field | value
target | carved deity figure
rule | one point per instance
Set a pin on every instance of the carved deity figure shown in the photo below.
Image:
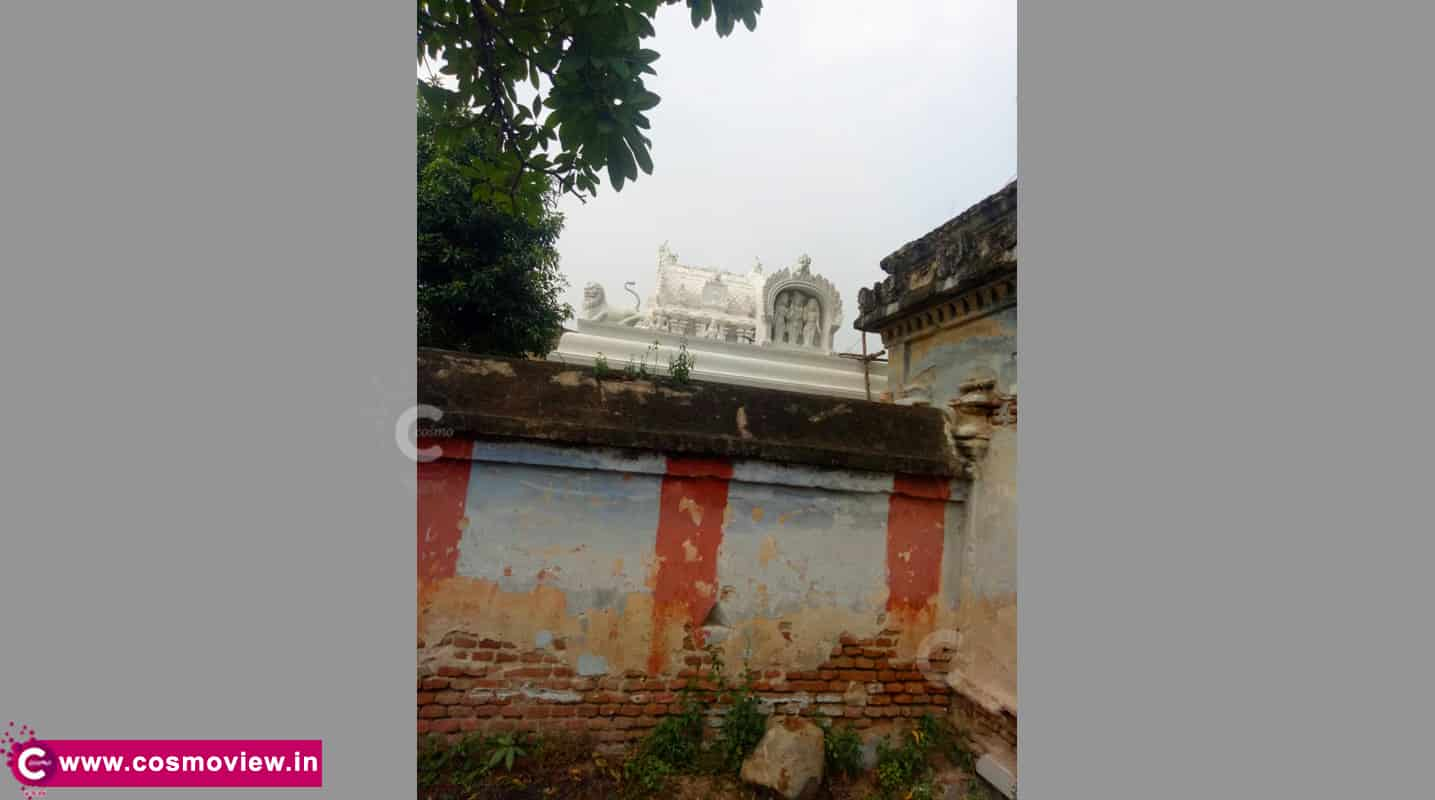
(794, 322)
(810, 323)
(780, 312)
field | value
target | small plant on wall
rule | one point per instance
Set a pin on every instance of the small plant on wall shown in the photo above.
(842, 750)
(638, 370)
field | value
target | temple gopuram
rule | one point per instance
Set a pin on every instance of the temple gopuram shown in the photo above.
(750, 328)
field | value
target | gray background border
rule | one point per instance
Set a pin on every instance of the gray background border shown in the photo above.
(1223, 548)
(206, 318)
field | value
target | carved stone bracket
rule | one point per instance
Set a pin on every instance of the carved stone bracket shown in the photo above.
(971, 419)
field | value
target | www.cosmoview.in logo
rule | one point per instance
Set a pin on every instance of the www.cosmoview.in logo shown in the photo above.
(159, 763)
(35, 763)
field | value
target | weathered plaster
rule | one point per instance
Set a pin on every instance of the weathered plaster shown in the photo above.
(828, 550)
(944, 358)
(554, 544)
(987, 609)
(522, 531)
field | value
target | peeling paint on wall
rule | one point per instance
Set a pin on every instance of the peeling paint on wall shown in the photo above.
(916, 528)
(951, 353)
(686, 549)
(443, 486)
(625, 569)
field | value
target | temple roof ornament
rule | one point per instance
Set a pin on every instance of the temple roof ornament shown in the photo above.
(743, 327)
(596, 308)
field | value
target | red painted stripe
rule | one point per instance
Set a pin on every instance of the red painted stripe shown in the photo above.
(699, 468)
(691, 507)
(443, 493)
(916, 530)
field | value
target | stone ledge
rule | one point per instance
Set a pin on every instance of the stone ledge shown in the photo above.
(500, 398)
(975, 248)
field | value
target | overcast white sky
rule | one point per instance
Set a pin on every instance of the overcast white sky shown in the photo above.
(839, 128)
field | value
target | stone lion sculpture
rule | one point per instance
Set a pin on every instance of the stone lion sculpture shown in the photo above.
(595, 308)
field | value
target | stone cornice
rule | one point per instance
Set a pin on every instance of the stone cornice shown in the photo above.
(948, 309)
(972, 250)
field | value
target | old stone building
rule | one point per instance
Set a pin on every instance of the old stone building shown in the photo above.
(947, 309)
(947, 315)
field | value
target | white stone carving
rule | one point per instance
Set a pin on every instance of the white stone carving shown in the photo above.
(746, 328)
(595, 308)
(704, 303)
(804, 308)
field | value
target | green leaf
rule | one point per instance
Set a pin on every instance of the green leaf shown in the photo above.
(640, 149)
(435, 96)
(537, 105)
(618, 151)
(643, 100)
(615, 175)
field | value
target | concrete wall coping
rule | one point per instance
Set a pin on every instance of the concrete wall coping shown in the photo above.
(491, 398)
(603, 459)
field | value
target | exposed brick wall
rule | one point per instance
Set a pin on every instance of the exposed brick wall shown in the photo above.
(489, 686)
(994, 730)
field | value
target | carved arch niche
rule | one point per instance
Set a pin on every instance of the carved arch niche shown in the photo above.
(801, 310)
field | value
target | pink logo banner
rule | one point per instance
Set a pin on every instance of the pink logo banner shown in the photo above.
(164, 763)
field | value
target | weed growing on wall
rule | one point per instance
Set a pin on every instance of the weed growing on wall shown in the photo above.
(512, 765)
(676, 744)
(842, 750)
(505, 749)
(600, 366)
(903, 767)
(904, 770)
(467, 762)
(434, 759)
(742, 727)
(638, 370)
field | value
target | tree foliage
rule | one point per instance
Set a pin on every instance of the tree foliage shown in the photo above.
(488, 281)
(592, 103)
